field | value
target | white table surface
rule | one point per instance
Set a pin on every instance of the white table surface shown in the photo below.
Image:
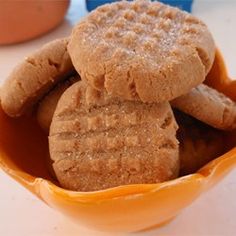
(22, 214)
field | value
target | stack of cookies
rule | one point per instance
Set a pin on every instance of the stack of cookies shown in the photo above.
(123, 99)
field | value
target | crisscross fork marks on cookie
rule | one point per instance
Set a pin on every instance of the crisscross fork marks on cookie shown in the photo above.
(110, 142)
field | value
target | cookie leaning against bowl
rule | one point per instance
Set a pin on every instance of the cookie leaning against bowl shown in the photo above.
(209, 106)
(199, 143)
(98, 142)
(35, 76)
(48, 104)
(142, 49)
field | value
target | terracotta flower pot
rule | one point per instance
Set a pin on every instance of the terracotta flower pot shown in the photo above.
(27, 19)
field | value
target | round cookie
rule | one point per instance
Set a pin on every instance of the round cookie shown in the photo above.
(198, 143)
(142, 49)
(48, 104)
(35, 76)
(98, 142)
(209, 106)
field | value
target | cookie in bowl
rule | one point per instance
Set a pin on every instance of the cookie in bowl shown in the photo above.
(209, 106)
(47, 105)
(199, 143)
(142, 50)
(97, 141)
(36, 75)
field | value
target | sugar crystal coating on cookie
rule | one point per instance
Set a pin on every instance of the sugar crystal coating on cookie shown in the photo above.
(97, 141)
(142, 49)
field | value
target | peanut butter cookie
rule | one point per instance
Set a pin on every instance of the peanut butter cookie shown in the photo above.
(97, 141)
(209, 106)
(142, 49)
(199, 143)
(48, 104)
(35, 76)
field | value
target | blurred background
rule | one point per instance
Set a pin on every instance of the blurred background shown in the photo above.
(20, 212)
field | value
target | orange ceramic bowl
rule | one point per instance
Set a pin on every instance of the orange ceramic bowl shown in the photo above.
(23, 154)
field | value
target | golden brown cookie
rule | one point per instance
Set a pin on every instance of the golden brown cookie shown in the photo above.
(209, 106)
(48, 104)
(198, 143)
(142, 49)
(35, 76)
(98, 142)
